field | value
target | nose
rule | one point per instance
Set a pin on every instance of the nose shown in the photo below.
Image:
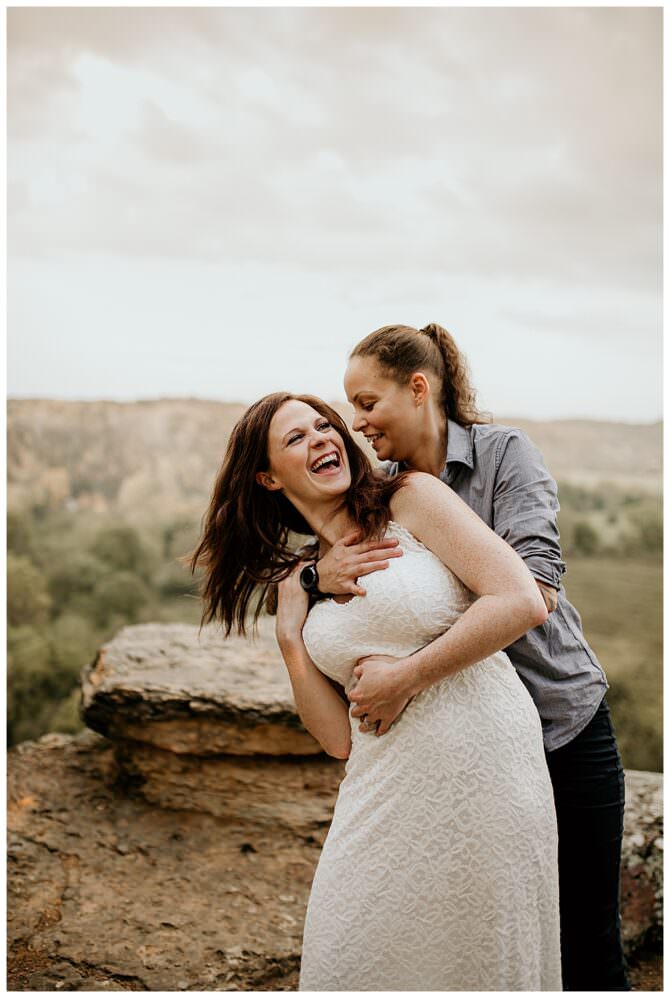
(359, 422)
(320, 438)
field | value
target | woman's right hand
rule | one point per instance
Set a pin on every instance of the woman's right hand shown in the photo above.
(350, 558)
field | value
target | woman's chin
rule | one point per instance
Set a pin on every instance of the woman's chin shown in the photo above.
(335, 485)
(384, 451)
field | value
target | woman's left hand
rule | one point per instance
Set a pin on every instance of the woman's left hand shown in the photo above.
(292, 606)
(383, 690)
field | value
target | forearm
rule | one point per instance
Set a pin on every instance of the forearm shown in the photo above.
(488, 625)
(321, 710)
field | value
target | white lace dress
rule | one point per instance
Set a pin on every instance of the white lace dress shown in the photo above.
(439, 872)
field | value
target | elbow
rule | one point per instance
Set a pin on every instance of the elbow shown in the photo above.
(541, 617)
(534, 610)
(341, 751)
(528, 610)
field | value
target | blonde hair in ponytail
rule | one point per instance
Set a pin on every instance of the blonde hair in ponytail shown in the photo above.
(403, 350)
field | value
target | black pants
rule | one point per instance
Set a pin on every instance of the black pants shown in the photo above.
(589, 793)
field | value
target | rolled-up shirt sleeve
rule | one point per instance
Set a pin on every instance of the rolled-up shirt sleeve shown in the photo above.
(525, 505)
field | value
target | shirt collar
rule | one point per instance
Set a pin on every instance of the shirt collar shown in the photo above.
(459, 447)
(459, 444)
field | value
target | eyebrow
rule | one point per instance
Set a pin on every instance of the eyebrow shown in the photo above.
(366, 391)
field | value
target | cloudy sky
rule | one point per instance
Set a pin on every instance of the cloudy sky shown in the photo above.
(219, 202)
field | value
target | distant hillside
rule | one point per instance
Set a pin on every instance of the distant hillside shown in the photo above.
(588, 451)
(155, 457)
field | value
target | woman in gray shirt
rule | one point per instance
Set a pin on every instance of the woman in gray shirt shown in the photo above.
(413, 402)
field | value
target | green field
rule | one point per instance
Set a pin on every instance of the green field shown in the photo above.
(620, 602)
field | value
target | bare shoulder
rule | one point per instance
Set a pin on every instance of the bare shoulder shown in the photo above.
(421, 496)
(446, 525)
(417, 486)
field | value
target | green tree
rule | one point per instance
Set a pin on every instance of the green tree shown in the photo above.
(75, 576)
(28, 600)
(175, 580)
(73, 645)
(19, 533)
(650, 534)
(120, 548)
(119, 595)
(586, 540)
(29, 679)
(66, 717)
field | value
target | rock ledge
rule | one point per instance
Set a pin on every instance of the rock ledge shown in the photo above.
(174, 848)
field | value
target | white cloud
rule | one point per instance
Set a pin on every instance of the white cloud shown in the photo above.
(494, 167)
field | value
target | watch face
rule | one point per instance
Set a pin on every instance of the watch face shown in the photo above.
(309, 578)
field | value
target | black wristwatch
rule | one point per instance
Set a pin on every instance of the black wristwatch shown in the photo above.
(309, 580)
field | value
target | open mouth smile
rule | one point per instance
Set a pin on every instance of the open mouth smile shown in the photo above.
(326, 464)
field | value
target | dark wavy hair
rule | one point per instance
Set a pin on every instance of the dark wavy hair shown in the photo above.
(245, 545)
(403, 350)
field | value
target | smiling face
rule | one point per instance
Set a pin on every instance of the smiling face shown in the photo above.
(307, 457)
(385, 412)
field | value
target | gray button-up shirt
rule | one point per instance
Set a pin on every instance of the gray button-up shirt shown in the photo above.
(501, 475)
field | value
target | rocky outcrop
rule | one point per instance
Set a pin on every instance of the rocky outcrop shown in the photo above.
(207, 724)
(194, 692)
(642, 862)
(107, 892)
(174, 848)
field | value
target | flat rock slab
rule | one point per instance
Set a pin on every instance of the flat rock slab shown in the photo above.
(195, 692)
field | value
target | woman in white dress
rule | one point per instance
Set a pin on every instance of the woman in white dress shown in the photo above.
(439, 871)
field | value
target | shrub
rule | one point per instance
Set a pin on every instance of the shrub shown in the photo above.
(28, 601)
(174, 580)
(73, 645)
(120, 548)
(29, 677)
(76, 575)
(119, 595)
(650, 534)
(585, 539)
(66, 717)
(19, 534)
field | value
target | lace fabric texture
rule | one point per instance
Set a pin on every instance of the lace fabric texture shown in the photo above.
(440, 870)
